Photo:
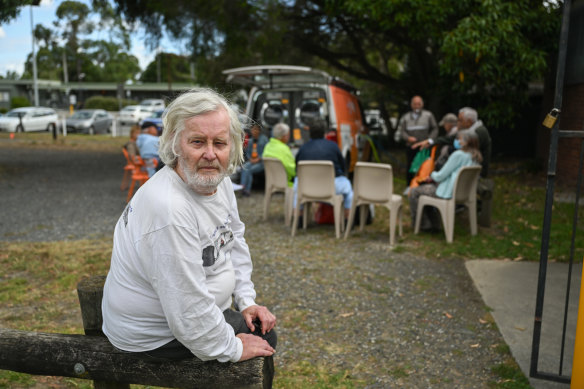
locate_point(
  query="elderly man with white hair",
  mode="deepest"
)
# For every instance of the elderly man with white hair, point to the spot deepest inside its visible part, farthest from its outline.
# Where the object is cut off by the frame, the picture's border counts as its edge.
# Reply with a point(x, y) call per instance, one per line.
point(179, 258)
point(277, 147)
point(468, 119)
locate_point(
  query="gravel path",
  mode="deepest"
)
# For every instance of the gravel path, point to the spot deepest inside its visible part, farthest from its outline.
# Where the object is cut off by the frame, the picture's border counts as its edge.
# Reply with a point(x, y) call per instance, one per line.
point(56, 194)
point(357, 309)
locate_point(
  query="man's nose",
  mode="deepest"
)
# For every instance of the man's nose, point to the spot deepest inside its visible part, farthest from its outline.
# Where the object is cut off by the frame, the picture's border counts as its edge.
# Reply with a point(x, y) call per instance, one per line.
point(209, 152)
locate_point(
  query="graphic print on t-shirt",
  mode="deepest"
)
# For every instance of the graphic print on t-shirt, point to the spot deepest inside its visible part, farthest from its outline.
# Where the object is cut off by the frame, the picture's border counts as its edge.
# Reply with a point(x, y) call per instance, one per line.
point(222, 238)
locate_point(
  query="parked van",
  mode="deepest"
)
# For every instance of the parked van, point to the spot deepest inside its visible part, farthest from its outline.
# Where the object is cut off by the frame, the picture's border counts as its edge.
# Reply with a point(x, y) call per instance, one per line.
point(296, 95)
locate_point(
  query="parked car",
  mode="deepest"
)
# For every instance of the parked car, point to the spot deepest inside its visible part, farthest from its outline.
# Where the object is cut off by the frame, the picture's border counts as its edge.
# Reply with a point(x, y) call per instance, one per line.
point(156, 118)
point(90, 121)
point(132, 114)
point(153, 104)
point(296, 95)
point(29, 119)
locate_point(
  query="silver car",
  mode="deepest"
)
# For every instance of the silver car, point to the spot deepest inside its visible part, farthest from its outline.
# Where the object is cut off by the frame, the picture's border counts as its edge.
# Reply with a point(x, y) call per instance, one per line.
point(90, 121)
point(29, 119)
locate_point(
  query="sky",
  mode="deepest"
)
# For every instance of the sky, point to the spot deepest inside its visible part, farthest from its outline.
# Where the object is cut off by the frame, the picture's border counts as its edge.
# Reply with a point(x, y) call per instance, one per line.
point(16, 37)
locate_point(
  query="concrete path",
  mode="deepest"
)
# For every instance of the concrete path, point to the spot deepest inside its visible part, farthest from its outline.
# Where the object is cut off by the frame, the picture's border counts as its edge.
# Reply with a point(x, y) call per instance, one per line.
point(509, 289)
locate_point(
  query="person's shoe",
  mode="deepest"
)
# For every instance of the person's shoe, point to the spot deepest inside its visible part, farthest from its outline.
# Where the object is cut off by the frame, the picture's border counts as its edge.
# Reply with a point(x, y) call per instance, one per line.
point(245, 193)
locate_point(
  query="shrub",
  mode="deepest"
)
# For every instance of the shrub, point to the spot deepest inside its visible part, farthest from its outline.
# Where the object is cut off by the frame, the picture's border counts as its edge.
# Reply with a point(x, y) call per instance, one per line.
point(107, 103)
point(19, 101)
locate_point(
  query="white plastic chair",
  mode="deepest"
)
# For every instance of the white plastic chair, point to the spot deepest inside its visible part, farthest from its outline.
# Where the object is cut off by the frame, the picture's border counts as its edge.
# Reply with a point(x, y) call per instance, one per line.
point(464, 192)
point(316, 183)
point(373, 184)
point(277, 182)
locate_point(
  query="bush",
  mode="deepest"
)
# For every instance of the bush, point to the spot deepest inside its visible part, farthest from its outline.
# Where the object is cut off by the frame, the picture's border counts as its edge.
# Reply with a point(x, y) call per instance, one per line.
point(107, 103)
point(19, 101)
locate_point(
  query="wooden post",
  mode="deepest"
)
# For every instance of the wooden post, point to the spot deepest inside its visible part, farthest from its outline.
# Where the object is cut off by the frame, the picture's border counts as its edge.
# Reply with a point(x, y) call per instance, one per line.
point(90, 293)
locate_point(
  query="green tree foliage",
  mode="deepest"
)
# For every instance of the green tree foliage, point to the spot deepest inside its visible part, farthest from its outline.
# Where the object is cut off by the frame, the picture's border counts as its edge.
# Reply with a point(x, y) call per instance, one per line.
point(481, 53)
point(10, 9)
point(468, 52)
point(85, 59)
point(73, 19)
point(494, 52)
point(168, 68)
point(219, 34)
point(110, 62)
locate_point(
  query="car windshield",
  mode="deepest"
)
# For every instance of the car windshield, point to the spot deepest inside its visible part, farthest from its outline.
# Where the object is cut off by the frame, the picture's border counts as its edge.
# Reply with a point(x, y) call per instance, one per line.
point(129, 109)
point(81, 115)
point(157, 114)
point(15, 114)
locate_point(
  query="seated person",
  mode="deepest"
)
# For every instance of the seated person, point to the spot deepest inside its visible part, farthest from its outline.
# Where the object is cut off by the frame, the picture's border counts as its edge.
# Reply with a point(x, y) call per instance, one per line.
point(131, 146)
point(441, 183)
point(468, 120)
point(253, 154)
point(147, 143)
point(277, 147)
point(320, 149)
point(179, 257)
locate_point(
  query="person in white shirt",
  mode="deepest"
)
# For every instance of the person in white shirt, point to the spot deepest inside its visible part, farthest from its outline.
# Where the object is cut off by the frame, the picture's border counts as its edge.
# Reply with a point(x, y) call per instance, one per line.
point(179, 258)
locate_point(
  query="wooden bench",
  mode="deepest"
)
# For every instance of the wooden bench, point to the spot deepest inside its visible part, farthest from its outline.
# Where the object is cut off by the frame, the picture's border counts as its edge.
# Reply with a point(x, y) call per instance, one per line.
point(91, 356)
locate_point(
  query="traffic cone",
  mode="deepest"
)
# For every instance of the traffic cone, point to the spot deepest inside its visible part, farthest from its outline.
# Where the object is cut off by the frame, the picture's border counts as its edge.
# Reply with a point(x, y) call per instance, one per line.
point(12, 135)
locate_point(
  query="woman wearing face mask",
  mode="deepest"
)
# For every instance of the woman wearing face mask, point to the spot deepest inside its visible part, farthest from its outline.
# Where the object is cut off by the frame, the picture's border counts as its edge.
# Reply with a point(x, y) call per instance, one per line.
point(441, 183)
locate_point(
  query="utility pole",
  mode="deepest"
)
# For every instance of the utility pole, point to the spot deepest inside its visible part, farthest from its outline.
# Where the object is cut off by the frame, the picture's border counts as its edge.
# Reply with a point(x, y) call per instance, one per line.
point(34, 62)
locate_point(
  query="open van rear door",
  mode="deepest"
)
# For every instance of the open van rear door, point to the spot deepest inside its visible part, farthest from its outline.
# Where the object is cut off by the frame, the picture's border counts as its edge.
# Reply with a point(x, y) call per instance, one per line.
point(276, 76)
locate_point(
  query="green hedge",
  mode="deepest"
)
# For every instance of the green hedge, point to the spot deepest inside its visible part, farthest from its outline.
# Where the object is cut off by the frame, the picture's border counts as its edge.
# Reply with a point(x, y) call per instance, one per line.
point(107, 103)
point(19, 101)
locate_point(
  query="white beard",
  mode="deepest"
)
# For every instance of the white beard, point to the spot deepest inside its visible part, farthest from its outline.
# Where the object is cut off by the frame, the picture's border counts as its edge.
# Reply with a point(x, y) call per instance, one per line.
point(203, 183)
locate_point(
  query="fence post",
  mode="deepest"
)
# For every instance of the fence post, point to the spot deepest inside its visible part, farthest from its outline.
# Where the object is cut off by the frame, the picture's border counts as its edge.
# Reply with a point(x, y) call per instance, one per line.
point(90, 292)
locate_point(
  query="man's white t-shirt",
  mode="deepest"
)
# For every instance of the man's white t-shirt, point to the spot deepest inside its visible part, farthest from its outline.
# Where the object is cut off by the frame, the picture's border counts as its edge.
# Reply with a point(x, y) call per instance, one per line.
point(178, 257)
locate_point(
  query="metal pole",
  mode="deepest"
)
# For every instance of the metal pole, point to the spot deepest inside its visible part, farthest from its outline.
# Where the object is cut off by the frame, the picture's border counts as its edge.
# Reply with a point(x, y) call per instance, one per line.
point(34, 64)
point(545, 236)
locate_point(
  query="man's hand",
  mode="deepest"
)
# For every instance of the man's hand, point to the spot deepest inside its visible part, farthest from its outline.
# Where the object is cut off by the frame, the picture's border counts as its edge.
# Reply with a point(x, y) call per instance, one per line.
point(411, 140)
point(266, 318)
point(254, 346)
point(423, 144)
